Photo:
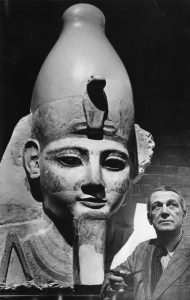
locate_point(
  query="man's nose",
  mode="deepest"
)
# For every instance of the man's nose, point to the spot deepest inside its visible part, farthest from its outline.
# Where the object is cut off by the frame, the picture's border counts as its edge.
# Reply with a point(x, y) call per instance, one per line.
point(94, 184)
point(165, 211)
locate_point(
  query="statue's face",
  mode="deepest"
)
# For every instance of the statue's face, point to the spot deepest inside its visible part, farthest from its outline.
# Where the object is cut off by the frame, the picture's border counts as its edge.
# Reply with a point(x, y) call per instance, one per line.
point(84, 176)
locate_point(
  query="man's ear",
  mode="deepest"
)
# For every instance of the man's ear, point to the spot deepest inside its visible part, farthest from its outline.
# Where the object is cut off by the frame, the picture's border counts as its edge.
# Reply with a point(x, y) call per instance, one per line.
point(31, 158)
point(149, 218)
point(184, 214)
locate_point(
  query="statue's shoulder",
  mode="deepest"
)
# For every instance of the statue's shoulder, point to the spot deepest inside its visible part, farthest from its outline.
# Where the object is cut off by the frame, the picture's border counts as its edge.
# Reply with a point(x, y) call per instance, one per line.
point(32, 255)
point(15, 267)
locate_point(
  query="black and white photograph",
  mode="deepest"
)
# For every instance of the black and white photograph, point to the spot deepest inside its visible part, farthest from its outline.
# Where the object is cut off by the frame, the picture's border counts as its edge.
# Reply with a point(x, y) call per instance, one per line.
point(95, 149)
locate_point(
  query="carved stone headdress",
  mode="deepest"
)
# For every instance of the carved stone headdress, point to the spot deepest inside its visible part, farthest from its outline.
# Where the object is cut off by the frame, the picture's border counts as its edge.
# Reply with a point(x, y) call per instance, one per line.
point(83, 84)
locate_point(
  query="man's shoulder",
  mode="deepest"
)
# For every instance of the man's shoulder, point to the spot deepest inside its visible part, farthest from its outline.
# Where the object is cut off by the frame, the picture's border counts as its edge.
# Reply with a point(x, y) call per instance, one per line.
point(146, 244)
point(185, 238)
point(184, 244)
point(141, 251)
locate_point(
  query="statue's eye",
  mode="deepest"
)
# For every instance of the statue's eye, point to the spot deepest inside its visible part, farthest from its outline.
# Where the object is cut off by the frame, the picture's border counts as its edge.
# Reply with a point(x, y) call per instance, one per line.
point(70, 160)
point(114, 163)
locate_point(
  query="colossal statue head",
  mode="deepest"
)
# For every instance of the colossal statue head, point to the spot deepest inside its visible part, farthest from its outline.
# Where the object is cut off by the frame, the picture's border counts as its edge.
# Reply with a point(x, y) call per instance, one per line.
point(84, 147)
point(80, 149)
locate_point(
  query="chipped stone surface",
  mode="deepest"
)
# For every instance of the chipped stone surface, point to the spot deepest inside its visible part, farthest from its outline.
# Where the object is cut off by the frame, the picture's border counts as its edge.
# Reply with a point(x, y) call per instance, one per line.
point(22, 215)
point(145, 145)
point(91, 243)
point(40, 241)
point(42, 254)
point(14, 191)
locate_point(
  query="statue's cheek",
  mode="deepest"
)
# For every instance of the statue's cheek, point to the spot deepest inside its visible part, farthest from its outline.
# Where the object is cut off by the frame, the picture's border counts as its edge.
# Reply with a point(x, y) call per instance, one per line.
point(118, 186)
point(51, 181)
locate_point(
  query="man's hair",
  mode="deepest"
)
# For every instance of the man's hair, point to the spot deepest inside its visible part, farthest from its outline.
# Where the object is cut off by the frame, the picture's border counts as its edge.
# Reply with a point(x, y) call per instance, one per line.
point(168, 188)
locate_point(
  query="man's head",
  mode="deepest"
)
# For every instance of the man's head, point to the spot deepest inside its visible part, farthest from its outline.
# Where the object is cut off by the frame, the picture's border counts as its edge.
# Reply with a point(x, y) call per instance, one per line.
point(166, 210)
point(84, 147)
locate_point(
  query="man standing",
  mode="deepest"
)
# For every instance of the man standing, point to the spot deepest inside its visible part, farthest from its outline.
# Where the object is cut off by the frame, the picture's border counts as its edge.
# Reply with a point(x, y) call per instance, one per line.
point(160, 267)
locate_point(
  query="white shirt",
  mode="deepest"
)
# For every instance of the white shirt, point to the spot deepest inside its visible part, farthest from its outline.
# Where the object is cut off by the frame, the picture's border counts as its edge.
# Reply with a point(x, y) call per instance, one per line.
point(170, 247)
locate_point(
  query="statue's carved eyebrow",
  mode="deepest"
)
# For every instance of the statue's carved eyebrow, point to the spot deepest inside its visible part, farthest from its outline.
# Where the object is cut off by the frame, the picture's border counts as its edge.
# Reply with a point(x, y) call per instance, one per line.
point(70, 149)
point(85, 151)
point(115, 152)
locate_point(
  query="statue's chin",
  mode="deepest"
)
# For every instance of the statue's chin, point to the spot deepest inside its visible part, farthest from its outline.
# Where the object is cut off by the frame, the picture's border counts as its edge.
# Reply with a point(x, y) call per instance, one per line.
point(92, 210)
point(86, 208)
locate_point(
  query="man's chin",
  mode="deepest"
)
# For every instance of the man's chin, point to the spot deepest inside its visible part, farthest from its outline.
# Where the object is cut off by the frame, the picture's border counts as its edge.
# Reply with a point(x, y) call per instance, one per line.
point(165, 229)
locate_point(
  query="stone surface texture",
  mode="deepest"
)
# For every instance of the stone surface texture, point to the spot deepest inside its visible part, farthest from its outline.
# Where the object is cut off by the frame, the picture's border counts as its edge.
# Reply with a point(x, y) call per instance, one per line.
point(82, 91)
point(39, 245)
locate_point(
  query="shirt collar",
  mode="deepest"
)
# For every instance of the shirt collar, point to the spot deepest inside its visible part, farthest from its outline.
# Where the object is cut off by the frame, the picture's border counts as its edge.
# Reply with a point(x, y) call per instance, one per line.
point(171, 246)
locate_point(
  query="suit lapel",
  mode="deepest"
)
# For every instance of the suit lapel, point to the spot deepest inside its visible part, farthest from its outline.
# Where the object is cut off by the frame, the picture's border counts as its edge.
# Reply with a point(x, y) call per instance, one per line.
point(147, 270)
point(179, 262)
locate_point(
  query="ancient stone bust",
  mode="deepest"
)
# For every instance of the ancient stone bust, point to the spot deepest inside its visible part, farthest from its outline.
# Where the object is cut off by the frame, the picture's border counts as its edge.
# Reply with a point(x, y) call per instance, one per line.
point(70, 162)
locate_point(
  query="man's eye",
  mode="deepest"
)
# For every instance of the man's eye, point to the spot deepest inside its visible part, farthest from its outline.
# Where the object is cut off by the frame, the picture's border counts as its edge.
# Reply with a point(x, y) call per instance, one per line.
point(114, 164)
point(173, 204)
point(156, 207)
point(70, 160)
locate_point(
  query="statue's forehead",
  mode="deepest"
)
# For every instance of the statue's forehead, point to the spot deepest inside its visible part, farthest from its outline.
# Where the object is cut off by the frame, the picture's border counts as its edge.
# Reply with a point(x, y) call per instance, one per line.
point(85, 144)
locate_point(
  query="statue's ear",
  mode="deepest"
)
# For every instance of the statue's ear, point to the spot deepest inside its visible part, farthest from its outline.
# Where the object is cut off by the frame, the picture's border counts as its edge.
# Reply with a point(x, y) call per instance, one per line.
point(31, 158)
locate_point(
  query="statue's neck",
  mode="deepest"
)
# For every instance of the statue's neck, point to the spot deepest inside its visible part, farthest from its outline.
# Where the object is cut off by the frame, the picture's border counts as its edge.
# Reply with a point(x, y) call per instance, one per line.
point(88, 247)
point(63, 225)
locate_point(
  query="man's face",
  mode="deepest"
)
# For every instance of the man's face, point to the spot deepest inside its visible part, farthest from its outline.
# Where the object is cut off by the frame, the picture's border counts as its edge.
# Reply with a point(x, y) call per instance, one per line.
point(166, 213)
point(84, 176)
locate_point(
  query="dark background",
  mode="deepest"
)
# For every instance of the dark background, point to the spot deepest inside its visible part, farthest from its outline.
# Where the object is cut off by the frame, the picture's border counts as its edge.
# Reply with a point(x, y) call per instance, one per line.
point(153, 40)
point(151, 37)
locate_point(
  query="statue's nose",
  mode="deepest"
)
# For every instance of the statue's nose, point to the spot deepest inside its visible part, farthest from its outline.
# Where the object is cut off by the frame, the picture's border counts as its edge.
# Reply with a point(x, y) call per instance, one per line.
point(93, 189)
point(94, 184)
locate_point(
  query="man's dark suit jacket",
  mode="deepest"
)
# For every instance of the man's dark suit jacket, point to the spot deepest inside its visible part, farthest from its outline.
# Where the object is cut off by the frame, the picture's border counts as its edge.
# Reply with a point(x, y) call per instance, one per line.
point(174, 284)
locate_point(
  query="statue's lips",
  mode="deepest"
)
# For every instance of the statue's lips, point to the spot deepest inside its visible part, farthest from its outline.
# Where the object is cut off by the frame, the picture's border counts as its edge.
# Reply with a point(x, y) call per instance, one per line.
point(92, 202)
